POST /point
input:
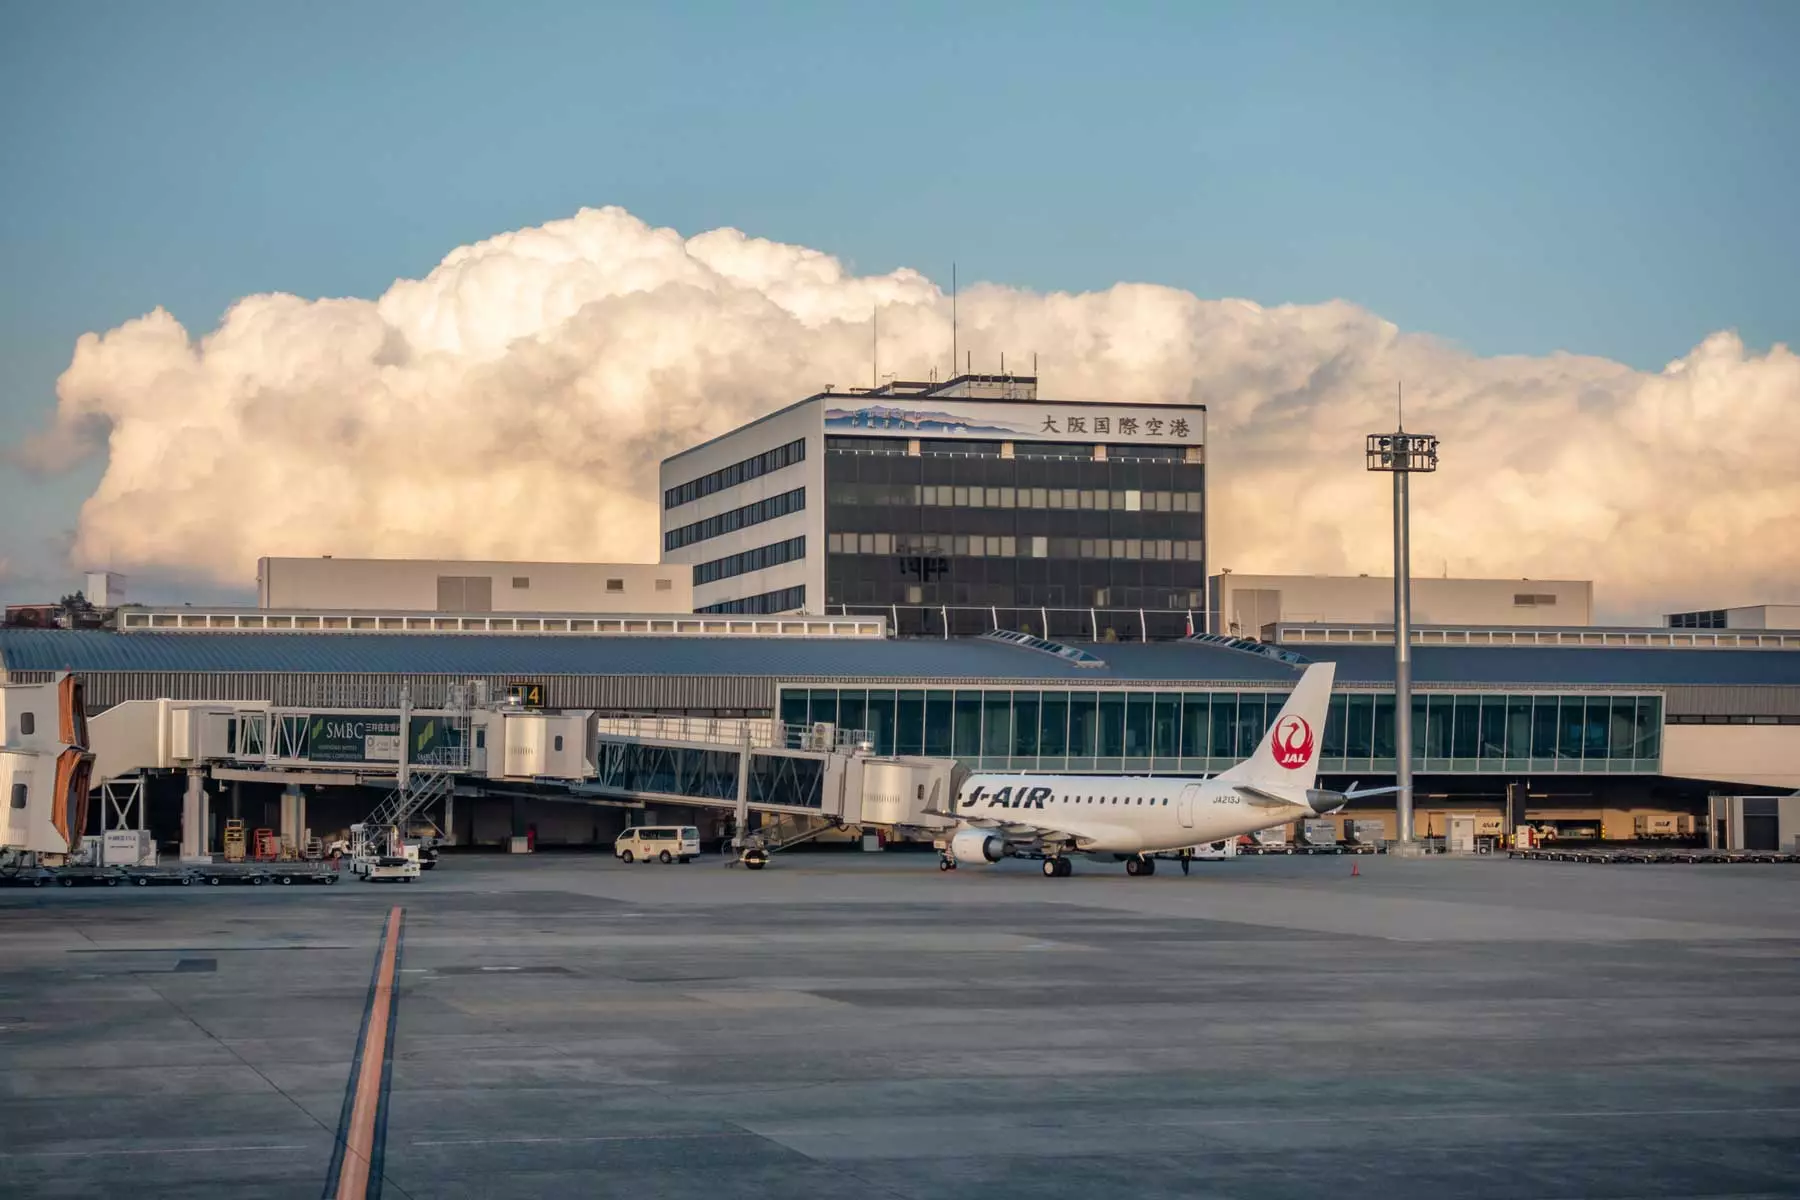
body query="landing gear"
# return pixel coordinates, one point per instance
(946, 863)
(1058, 868)
(1140, 866)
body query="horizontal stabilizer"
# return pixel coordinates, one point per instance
(1262, 799)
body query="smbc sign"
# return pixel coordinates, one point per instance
(359, 738)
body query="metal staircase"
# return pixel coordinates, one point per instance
(432, 753)
(791, 829)
(400, 806)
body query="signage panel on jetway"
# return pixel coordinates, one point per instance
(525, 695)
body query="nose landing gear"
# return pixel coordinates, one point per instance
(1140, 866)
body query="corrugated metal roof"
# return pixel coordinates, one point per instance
(956, 658)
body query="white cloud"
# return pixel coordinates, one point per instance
(514, 403)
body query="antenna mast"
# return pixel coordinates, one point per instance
(875, 347)
(953, 318)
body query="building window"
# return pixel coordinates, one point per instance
(970, 447)
(783, 600)
(772, 555)
(1533, 600)
(27, 723)
(521, 582)
(737, 518)
(615, 585)
(665, 585)
(738, 472)
(558, 743)
(20, 796)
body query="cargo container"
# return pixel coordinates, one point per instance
(1317, 837)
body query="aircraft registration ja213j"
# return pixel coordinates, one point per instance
(1133, 818)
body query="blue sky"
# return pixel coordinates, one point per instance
(1616, 179)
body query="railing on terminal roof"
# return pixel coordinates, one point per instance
(763, 733)
(185, 619)
(1091, 624)
(1290, 633)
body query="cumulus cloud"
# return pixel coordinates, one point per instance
(514, 404)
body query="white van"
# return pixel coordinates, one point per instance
(664, 843)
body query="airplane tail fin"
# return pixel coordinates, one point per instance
(1287, 759)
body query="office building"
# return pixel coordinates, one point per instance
(951, 507)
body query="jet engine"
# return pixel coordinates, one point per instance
(977, 845)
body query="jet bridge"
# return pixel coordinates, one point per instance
(427, 757)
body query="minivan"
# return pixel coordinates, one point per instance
(664, 843)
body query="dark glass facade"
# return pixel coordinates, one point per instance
(1185, 733)
(959, 525)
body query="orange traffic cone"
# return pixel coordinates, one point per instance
(1354, 872)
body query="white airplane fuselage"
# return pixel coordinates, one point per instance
(1122, 815)
(1053, 816)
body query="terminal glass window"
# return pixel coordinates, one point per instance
(1112, 724)
(938, 707)
(1158, 731)
(1382, 729)
(996, 723)
(1053, 725)
(1084, 725)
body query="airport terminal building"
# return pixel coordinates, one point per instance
(1589, 731)
(950, 508)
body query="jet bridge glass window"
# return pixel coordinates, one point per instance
(20, 795)
(27, 723)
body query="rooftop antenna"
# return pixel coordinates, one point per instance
(953, 318)
(1034, 364)
(1003, 362)
(875, 346)
(1400, 405)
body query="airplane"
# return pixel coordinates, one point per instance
(1134, 818)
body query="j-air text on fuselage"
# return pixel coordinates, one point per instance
(1134, 818)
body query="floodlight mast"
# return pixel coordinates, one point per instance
(1402, 455)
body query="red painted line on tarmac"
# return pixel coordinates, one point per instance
(359, 1137)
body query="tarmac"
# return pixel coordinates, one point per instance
(847, 1024)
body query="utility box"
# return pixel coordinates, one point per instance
(1459, 833)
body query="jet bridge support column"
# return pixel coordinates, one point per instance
(196, 817)
(293, 814)
(742, 813)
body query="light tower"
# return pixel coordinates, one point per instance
(1402, 454)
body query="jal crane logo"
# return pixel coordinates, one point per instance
(1292, 742)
